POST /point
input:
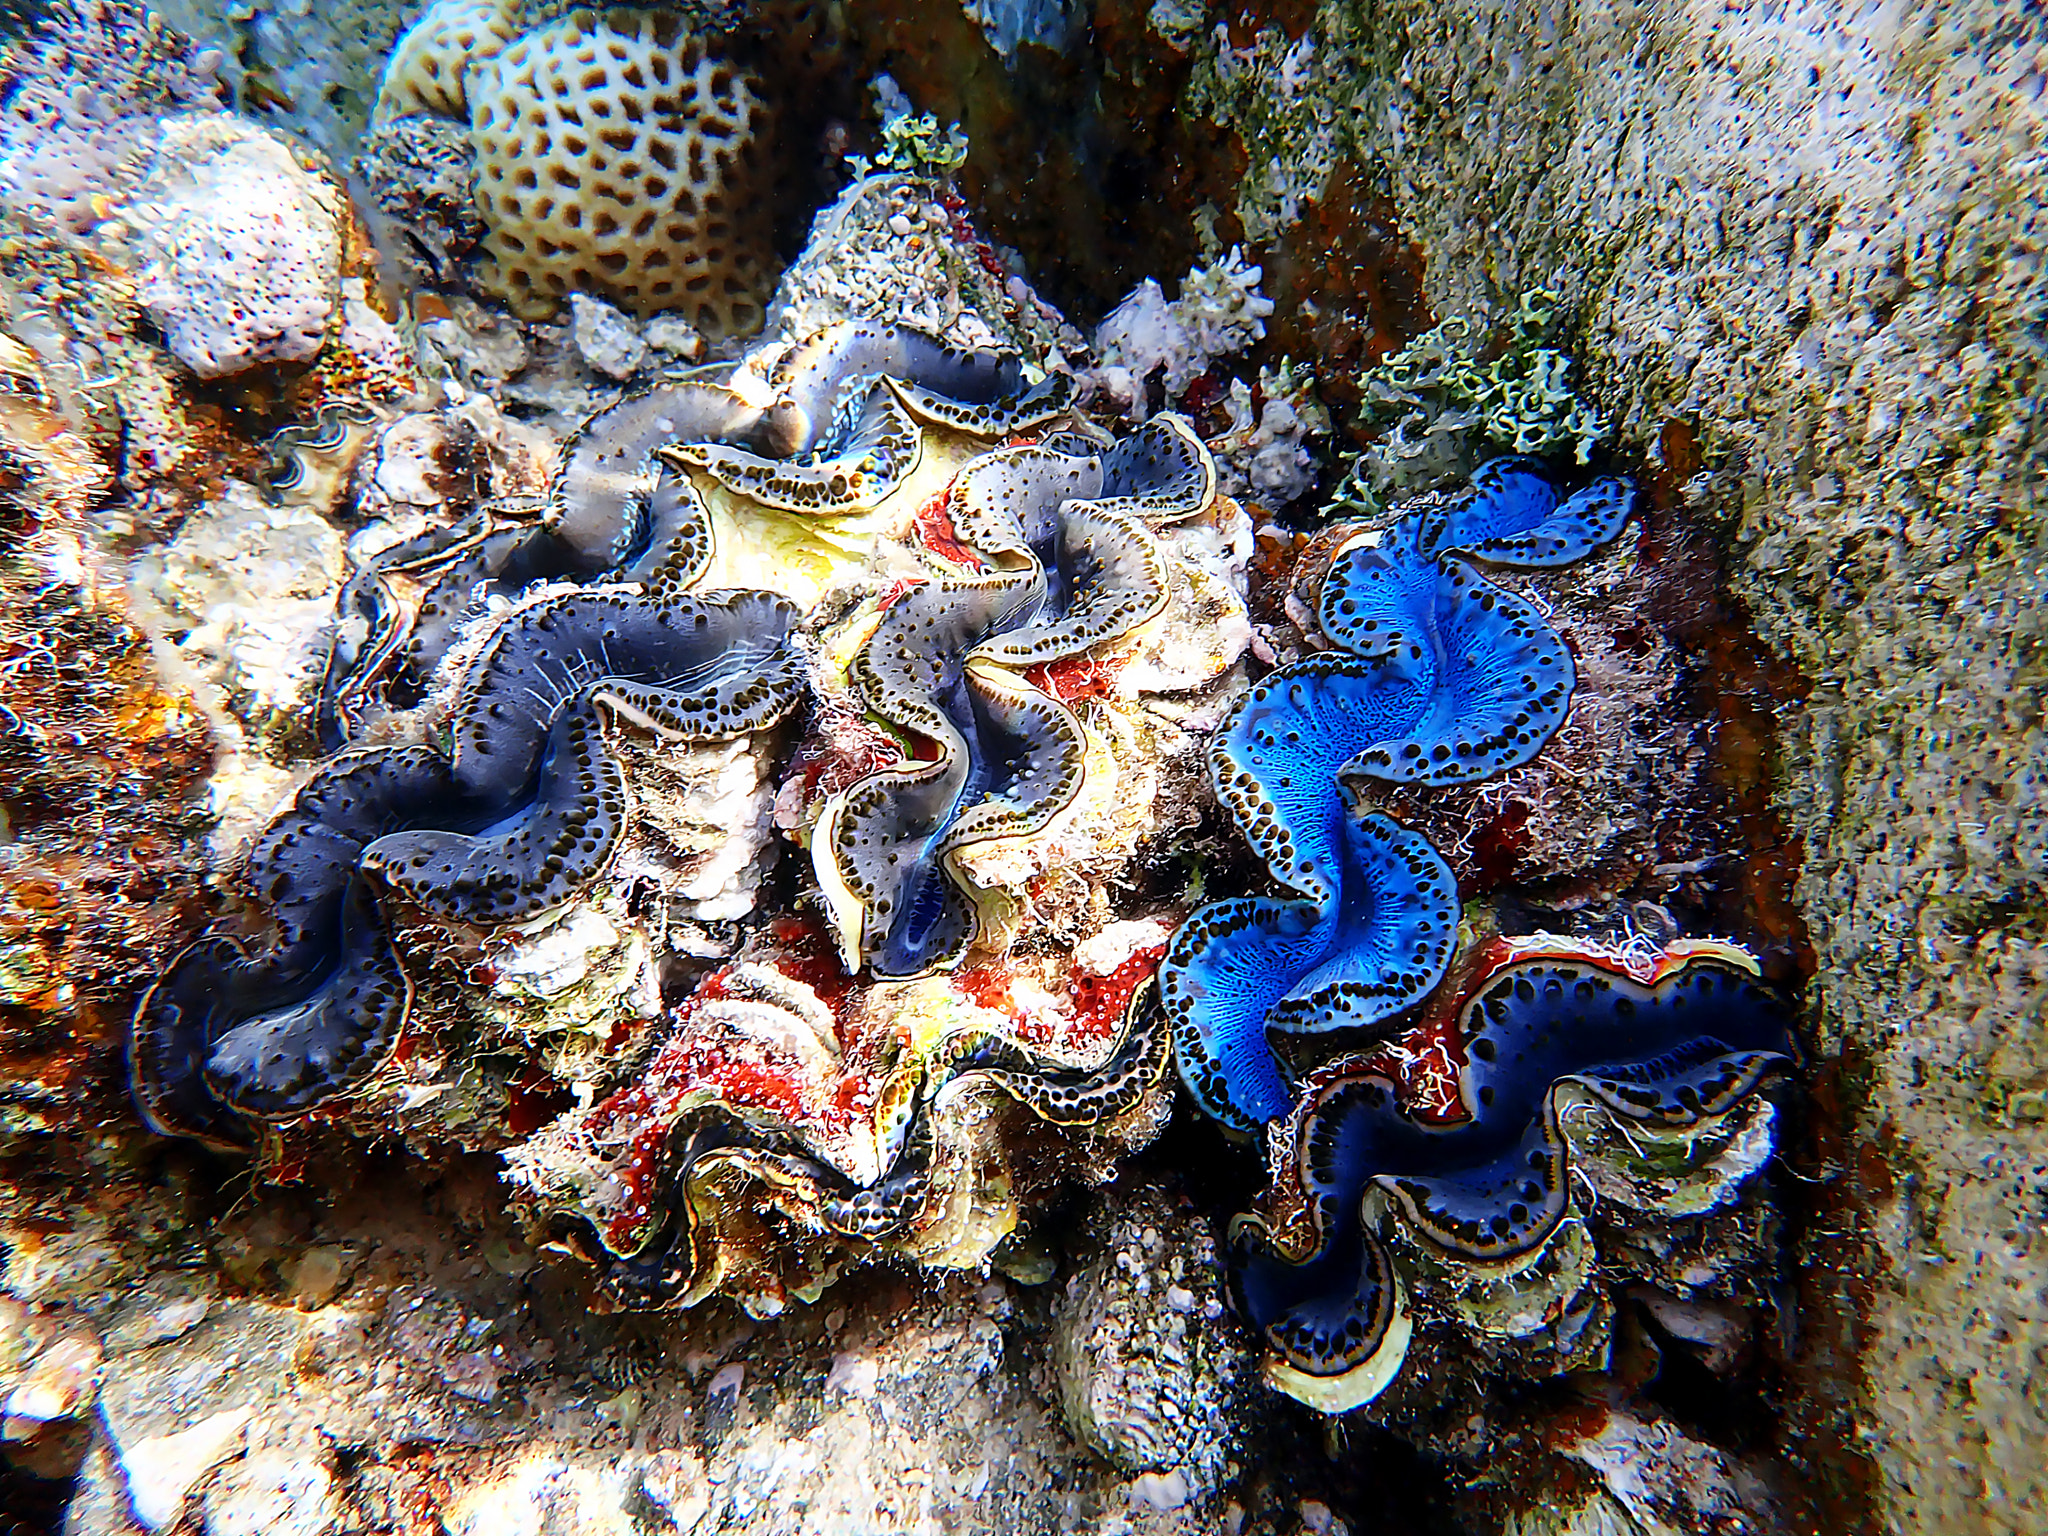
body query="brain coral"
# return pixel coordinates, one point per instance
(425, 72)
(85, 89)
(615, 155)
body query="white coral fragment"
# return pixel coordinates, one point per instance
(1220, 311)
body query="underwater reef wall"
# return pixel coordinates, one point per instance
(1804, 247)
(764, 1129)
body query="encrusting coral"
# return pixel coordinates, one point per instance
(241, 247)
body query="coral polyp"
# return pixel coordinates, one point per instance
(1556, 1039)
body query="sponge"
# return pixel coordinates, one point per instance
(617, 156)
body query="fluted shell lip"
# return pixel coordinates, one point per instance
(1437, 676)
(1510, 514)
(1356, 1385)
(524, 812)
(1075, 566)
(873, 1120)
(1676, 1039)
(542, 637)
(1375, 944)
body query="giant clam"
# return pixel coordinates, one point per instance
(1012, 620)
(1575, 1065)
(786, 1130)
(1435, 676)
(526, 809)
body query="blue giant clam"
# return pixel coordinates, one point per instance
(1572, 1057)
(854, 521)
(1438, 677)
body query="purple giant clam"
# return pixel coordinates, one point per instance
(527, 808)
(509, 669)
(528, 805)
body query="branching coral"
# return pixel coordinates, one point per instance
(1441, 677)
(1265, 451)
(1553, 1040)
(1220, 311)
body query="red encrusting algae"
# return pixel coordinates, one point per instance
(1072, 679)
